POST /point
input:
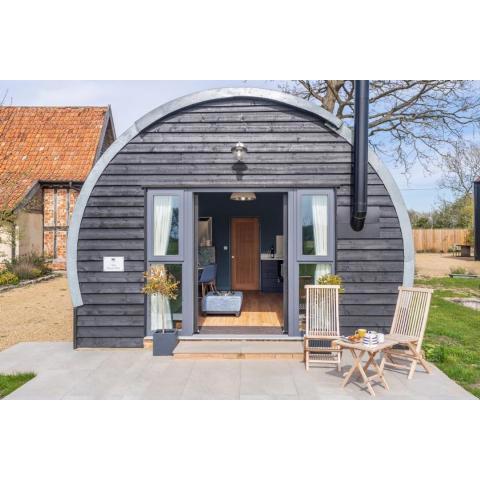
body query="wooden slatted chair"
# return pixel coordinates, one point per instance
(408, 329)
(322, 325)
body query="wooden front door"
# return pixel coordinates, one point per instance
(245, 259)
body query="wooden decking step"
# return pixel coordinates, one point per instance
(239, 349)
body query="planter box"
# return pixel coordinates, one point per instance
(462, 275)
(164, 343)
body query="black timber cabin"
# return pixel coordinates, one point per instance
(242, 190)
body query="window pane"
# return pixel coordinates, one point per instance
(165, 225)
(314, 213)
(309, 273)
(167, 313)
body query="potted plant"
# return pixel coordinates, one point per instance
(330, 279)
(163, 287)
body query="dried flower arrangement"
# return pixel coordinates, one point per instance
(159, 281)
(330, 279)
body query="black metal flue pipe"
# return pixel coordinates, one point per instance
(476, 217)
(360, 156)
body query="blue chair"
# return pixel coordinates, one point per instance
(208, 278)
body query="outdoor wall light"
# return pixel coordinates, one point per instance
(239, 151)
(243, 196)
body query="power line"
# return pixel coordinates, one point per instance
(430, 188)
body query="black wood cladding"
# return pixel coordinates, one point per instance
(286, 148)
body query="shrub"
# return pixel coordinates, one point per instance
(458, 271)
(8, 278)
(27, 267)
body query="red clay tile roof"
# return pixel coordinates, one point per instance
(46, 144)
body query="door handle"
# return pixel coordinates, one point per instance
(233, 256)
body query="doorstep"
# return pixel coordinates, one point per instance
(251, 349)
(148, 340)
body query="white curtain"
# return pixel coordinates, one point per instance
(161, 317)
(320, 232)
(320, 220)
(321, 269)
(162, 211)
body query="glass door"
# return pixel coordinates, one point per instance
(312, 247)
(169, 214)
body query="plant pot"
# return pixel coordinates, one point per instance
(164, 342)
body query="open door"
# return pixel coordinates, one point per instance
(285, 263)
(197, 306)
(245, 260)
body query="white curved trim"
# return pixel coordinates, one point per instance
(219, 94)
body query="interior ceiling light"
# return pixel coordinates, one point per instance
(243, 196)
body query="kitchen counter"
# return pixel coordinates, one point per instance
(266, 256)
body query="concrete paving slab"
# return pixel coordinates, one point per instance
(213, 379)
(64, 373)
(267, 377)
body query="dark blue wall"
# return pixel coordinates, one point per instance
(268, 207)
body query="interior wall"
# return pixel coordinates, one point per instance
(268, 207)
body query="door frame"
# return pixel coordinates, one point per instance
(291, 259)
(288, 318)
(259, 270)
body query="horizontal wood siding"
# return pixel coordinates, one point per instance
(286, 148)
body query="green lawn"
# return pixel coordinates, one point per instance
(9, 383)
(452, 339)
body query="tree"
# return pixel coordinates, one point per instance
(455, 214)
(461, 168)
(410, 120)
(420, 219)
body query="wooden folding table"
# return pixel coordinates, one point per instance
(358, 351)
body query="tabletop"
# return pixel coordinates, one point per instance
(360, 346)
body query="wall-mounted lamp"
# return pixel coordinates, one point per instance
(239, 151)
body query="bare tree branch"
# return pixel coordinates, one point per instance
(410, 120)
(461, 169)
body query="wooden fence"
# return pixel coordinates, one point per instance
(438, 239)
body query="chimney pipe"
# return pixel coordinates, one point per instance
(476, 217)
(360, 156)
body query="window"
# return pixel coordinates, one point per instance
(167, 313)
(165, 250)
(165, 219)
(165, 225)
(316, 222)
(315, 251)
(308, 274)
(314, 218)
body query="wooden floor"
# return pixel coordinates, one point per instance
(258, 310)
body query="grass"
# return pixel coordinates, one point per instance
(9, 383)
(452, 339)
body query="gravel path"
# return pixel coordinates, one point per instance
(40, 312)
(439, 264)
(43, 312)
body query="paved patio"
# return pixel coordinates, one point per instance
(63, 373)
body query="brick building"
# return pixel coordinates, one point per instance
(46, 154)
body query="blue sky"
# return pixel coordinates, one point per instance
(132, 99)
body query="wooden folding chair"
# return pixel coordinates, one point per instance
(322, 325)
(408, 329)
